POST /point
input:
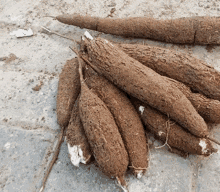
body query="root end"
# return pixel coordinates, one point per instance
(139, 173)
(41, 189)
(50, 16)
(122, 183)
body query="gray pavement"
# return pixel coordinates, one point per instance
(28, 81)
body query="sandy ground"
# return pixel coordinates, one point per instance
(29, 70)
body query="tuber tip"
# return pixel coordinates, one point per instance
(50, 16)
(41, 189)
(139, 173)
(122, 183)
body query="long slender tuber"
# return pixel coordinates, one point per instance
(126, 118)
(77, 142)
(68, 91)
(144, 83)
(169, 131)
(180, 66)
(103, 134)
(189, 30)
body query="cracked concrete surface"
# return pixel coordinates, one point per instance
(29, 70)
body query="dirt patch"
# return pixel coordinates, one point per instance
(38, 87)
(9, 59)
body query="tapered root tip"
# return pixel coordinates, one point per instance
(41, 189)
(122, 183)
(50, 16)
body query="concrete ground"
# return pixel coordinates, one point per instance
(29, 70)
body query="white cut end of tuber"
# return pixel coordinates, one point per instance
(203, 145)
(88, 36)
(76, 155)
(141, 109)
(139, 174)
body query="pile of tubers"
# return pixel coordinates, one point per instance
(111, 95)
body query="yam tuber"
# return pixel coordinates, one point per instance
(126, 118)
(209, 109)
(103, 134)
(189, 30)
(144, 83)
(68, 91)
(169, 131)
(179, 66)
(77, 142)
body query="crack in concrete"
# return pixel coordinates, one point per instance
(39, 175)
(30, 127)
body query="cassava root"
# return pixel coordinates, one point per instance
(178, 138)
(143, 83)
(68, 91)
(179, 66)
(126, 118)
(102, 134)
(189, 30)
(77, 142)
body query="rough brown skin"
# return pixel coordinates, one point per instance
(178, 138)
(126, 118)
(209, 109)
(179, 66)
(191, 30)
(145, 84)
(75, 134)
(103, 134)
(68, 91)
